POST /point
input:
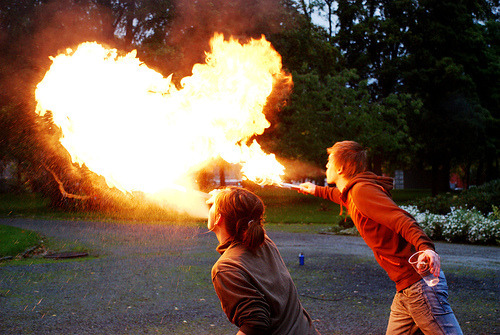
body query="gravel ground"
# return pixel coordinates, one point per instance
(152, 278)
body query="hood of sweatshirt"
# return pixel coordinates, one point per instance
(223, 246)
(367, 177)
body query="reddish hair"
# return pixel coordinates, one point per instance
(243, 213)
(350, 156)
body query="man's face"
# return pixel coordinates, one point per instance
(331, 171)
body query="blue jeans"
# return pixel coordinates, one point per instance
(420, 309)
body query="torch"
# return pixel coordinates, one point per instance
(289, 186)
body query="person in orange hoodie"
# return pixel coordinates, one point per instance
(393, 235)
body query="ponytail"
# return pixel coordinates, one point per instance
(253, 235)
(243, 213)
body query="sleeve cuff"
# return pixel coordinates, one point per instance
(425, 246)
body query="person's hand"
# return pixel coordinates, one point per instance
(432, 258)
(307, 188)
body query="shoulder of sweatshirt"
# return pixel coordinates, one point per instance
(366, 190)
(369, 197)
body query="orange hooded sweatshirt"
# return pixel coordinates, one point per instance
(391, 233)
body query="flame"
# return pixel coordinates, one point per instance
(134, 127)
(260, 167)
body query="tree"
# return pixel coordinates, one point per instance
(438, 52)
(447, 54)
(307, 8)
(321, 112)
(329, 7)
(305, 49)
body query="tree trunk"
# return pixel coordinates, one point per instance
(129, 28)
(492, 170)
(480, 173)
(440, 178)
(467, 176)
(222, 174)
(377, 165)
(305, 9)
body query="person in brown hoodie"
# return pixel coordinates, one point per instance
(393, 235)
(250, 278)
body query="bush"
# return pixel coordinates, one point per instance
(439, 204)
(345, 222)
(495, 215)
(459, 225)
(482, 198)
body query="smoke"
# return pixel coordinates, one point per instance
(299, 171)
(183, 201)
(196, 21)
(32, 31)
(236, 17)
(61, 24)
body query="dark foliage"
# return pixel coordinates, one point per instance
(483, 198)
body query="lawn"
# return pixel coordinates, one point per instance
(22, 203)
(15, 240)
(286, 210)
(288, 206)
(282, 206)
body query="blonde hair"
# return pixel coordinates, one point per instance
(350, 156)
(243, 213)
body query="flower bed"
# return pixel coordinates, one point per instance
(459, 225)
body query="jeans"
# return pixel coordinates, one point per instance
(420, 309)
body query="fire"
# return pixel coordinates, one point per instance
(261, 168)
(134, 127)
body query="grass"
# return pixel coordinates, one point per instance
(15, 240)
(282, 206)
(34, 205)
(287, 206)
(22, 203)
(286, 210)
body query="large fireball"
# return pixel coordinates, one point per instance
(131, 125)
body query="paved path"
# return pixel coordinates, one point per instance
(155, 279)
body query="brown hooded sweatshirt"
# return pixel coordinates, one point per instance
(257, 292)
(391, 233)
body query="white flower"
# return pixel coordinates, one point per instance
(460, 224)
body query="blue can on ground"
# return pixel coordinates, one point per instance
(301, 259)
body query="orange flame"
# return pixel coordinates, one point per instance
(131, 125)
